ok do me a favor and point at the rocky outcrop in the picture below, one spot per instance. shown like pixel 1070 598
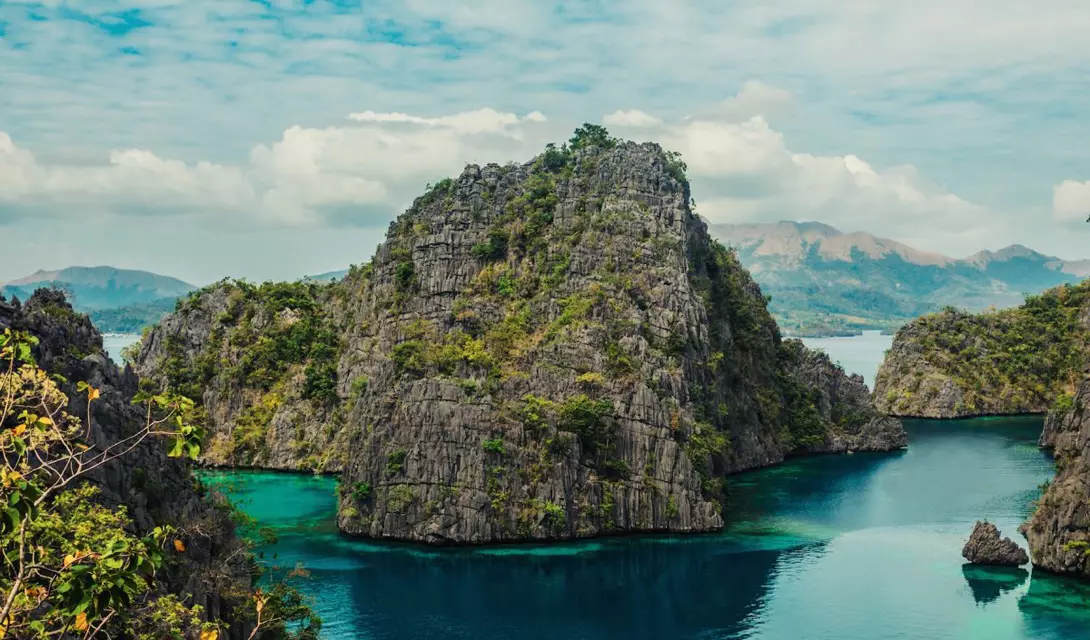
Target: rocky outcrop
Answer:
pixel 1058 532
pixel 154 489
pixel 843 404
pixel 987 546
pixel 542 351
pixel 1016 361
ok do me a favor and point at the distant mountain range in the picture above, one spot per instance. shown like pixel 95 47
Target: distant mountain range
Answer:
pixel 825 282
pixel 329 276
pixel 118 300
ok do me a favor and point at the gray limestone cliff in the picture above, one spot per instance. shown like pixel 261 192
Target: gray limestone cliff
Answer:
pixel 1058 532
pixel 541 351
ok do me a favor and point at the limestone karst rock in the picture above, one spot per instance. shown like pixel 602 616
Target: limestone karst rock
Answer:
pixel 987 546
pixel 541 351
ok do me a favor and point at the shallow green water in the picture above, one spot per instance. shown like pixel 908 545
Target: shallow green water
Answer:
pixel 842 547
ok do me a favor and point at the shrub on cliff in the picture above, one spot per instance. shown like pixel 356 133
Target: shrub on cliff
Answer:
pixel 71 565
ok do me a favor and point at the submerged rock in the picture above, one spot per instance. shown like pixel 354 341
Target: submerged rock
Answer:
pixel 986 546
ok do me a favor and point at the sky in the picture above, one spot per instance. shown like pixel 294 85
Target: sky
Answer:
pixel 272 139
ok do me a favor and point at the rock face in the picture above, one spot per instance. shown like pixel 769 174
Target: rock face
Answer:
pixel 1058 532
pixel 1017 361
pixel 986 546
pixel 842 400
pixel 541 351
pixel 155 489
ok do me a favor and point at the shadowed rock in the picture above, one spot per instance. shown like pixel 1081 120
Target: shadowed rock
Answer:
pixel 986 546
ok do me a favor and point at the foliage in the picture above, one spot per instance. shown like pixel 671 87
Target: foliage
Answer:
pixel 592 135
pixel 676 167
pixel 493 445
pixel 590 419
pixel 395 462
pixel 361 491
pixel 493 248
pixel 1030 356
pixel 70 564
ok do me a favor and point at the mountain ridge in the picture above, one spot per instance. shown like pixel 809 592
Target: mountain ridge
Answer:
pixel 824 281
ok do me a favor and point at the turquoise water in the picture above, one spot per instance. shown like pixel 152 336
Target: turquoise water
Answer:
pixel 861 354
pixel 113 343
pixel 858 547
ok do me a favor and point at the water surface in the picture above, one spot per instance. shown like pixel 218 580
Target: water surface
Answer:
pixel 114 343
pixel 858 547
pixel 861 354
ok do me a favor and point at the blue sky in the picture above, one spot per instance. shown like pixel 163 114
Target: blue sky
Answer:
pixel 212 138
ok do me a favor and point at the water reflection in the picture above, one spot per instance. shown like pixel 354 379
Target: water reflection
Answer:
pixel 988 583
pixel 839 547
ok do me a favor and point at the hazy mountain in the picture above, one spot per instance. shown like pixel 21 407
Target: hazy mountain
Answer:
pixel 329 276
pixel 824 281
pixel 101 287
pixel 118 300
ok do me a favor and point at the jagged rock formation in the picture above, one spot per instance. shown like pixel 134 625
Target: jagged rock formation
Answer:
pixel 1059 530
pixel 154 489
pixel 1017 361
pixel 842 400
pixel 539 351
pixel 987 546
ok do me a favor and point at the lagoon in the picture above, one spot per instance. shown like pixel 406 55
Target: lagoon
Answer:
pixel 858 547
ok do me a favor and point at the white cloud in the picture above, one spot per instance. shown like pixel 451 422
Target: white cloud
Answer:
pixel 631 118
pixel 744 171
pixel 755 99
pixel 361 174
pixel 479 121
pixel 1071 201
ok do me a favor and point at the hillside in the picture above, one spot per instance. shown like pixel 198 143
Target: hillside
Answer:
pixel 823 281
pixel 1021 360
pixel 118 300
pixel 541 351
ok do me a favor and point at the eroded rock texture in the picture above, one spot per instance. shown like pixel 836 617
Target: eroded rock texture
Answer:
pixel 1059 530
pixel 540 351
pixel 987 546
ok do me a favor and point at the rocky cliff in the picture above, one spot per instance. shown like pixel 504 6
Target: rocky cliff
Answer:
pixel 155 489
pixel 1059 530
pixel 953 364
pixel 540 351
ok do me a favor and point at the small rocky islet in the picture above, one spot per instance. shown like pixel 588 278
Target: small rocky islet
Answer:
pixel 539 351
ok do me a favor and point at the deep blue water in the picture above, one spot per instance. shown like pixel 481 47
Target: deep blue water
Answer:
pixel 860 547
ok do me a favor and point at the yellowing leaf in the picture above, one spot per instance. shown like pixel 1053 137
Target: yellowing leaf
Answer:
pixel 210 634
pixel 19 430
pixel 69 560
pixel 179 546
pixel 81 621
pixel 93 393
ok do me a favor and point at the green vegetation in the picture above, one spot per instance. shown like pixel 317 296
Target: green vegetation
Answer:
pixel 361 491
pixel 87 571
pixel 395 462
pixel 494 445
pixel 591 420
pixel 592 135
pixel 295 333
pixel 1030 356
